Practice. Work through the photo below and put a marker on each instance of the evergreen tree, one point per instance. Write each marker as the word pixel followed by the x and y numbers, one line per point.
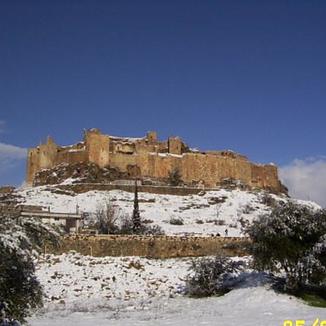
pixel 20 239
pixel 135 214
pixel 291 239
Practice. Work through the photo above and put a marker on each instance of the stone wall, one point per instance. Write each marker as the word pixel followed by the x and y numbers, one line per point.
pixel 151 246
pixel 266 176
pixel 14 209
pixel 149 158
pixel 49 155
pixel 161 190
pixel 71 156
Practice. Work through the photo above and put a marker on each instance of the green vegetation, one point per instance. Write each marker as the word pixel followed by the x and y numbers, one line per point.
pixel 313 300
pixel 20 241
pixel 213 276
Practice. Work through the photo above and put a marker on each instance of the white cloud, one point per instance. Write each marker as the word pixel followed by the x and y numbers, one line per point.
pixel 306 179
pixel 9 155
pixel 12 152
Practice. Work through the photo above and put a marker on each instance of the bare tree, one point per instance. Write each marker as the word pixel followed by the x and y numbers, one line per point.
pixel 106 219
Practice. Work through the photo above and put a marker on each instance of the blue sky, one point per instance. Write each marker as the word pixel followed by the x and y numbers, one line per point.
pixel 243 75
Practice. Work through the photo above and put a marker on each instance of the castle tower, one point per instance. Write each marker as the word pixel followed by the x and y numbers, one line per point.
pixel 175 145
pixel 97 147
pixel 151 136
pixel 41 157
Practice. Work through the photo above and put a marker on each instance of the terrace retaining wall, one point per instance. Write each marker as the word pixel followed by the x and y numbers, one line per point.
pixel 150 246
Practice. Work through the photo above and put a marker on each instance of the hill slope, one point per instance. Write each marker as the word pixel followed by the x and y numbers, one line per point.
pixel 204 214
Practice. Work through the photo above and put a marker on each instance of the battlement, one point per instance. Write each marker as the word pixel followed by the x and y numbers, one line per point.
pixel 147 157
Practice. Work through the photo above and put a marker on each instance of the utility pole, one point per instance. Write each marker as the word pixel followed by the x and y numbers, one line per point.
pixel 135 214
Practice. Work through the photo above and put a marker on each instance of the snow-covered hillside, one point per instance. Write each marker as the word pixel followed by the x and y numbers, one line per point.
pixel 209 213
pixel 85 290
pixel 72 281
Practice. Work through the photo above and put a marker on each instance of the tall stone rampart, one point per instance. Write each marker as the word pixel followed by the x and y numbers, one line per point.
pixel 148 157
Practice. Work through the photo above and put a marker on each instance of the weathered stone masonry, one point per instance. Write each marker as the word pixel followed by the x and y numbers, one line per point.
pixel 148 157
pixel 150 246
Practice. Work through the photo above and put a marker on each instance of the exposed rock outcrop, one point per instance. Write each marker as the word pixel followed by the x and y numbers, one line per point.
pixel 81 172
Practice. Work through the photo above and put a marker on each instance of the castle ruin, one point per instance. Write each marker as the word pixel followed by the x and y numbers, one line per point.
pixel 149 158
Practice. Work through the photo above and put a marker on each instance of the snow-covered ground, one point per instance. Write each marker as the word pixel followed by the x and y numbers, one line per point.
pixel 136 291
pixel 72 280
pixel 210 213
pixel 82 290
pixel 246 307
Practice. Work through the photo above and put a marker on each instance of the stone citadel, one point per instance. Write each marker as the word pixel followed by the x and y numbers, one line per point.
pixel 147 158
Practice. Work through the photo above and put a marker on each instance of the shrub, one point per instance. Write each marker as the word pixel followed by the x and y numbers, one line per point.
pixel 147 221
pixel 152 230
pixel 213 276
pixel 110 221
pixel 20 239
pixel 247 209
pixel 176 221
pixel 268 200
pixel 39 233
pixel 243 222
pixel 291 239
pixel 106 219
pixel 175 178
pixel 18 284
pixel 127 227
